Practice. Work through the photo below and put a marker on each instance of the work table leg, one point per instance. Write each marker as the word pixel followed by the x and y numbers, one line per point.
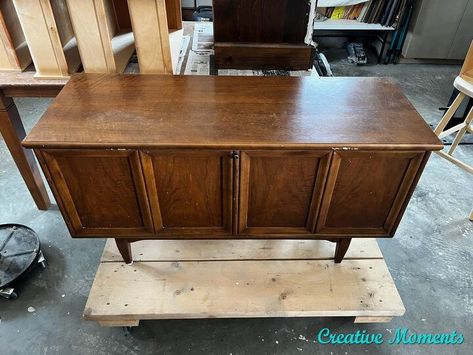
pixel 13 133
pixel 341 249
pixel 124 247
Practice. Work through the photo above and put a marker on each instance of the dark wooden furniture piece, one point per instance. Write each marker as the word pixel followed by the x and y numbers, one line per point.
pixel 261 34
pixel 133 157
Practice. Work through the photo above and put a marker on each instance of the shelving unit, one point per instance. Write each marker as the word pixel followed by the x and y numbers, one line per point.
pixel 157 27
pixel 353 28
pixel 14 53
pixel 349 25
pixel 50 37
pixel 104 35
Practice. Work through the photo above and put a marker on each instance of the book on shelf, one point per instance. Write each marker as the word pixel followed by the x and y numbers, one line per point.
pixel 384 12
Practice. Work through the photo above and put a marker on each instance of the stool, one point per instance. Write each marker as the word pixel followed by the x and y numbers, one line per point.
pixel 464 84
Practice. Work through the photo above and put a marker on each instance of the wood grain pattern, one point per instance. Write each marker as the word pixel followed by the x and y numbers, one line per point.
pixel 174 14
pixel 365 191
pixel 280 191
pixel 261 34
pixel 100 192
pixel 233 113
pixel 262 56
pixel 190 191
pixel 270 21
pixel 258 288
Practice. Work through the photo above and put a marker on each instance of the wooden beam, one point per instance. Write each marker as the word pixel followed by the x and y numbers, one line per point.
pixel 104 46
pixel 150 27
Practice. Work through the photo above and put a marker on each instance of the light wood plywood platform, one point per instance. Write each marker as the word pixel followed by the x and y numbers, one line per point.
pixel 242 278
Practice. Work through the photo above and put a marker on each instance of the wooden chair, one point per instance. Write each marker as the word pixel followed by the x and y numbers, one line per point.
pixel 463 83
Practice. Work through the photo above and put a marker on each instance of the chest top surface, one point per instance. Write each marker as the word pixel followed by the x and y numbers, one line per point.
pixel 131 111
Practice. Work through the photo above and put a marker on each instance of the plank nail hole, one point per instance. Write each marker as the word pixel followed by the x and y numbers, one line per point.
pixel 380 300
pixel 108 303
pixel 126 304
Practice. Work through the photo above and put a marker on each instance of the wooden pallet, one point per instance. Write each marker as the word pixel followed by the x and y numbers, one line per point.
pixel 178 279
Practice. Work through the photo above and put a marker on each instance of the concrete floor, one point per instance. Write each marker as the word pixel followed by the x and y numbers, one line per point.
pixel 430 259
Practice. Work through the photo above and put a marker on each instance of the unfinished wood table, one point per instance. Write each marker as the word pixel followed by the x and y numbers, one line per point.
pixel 136 157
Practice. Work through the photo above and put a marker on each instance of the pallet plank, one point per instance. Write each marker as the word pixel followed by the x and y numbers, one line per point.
pixel 261 288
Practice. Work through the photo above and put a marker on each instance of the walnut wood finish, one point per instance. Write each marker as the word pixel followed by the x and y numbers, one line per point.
pixel 365 190
pixel 190 191
pixel 261 34
pixel 101 192
pixel 280 191
pixel 265 21
pixel 150 111
pixel 164 157
pixel 261 56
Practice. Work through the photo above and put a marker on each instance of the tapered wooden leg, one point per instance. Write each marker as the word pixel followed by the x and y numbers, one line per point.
pixel 461 132
pixel 341 249
pixel 13 133
pixel 124 247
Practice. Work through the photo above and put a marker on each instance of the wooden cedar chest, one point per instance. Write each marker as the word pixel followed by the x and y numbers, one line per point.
pixel 180 157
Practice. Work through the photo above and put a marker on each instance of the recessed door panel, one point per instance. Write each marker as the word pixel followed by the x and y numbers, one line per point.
pixel 280 191
pixel 101 192
pixel 365 192
pixel 190 191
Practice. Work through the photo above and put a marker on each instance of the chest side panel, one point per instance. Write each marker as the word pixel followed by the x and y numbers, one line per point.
pixel 365 192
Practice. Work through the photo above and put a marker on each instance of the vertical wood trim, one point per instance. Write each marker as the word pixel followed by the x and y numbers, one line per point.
pixel 57 196
pixel 174 14
pixel 150 182
pixel 329 188
pixel 244 191
pixel 318 190
pixel 62 190
pixel 105 35
pixel 236 194
pixel 227 191
pixel 8 52
pixel 140 187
